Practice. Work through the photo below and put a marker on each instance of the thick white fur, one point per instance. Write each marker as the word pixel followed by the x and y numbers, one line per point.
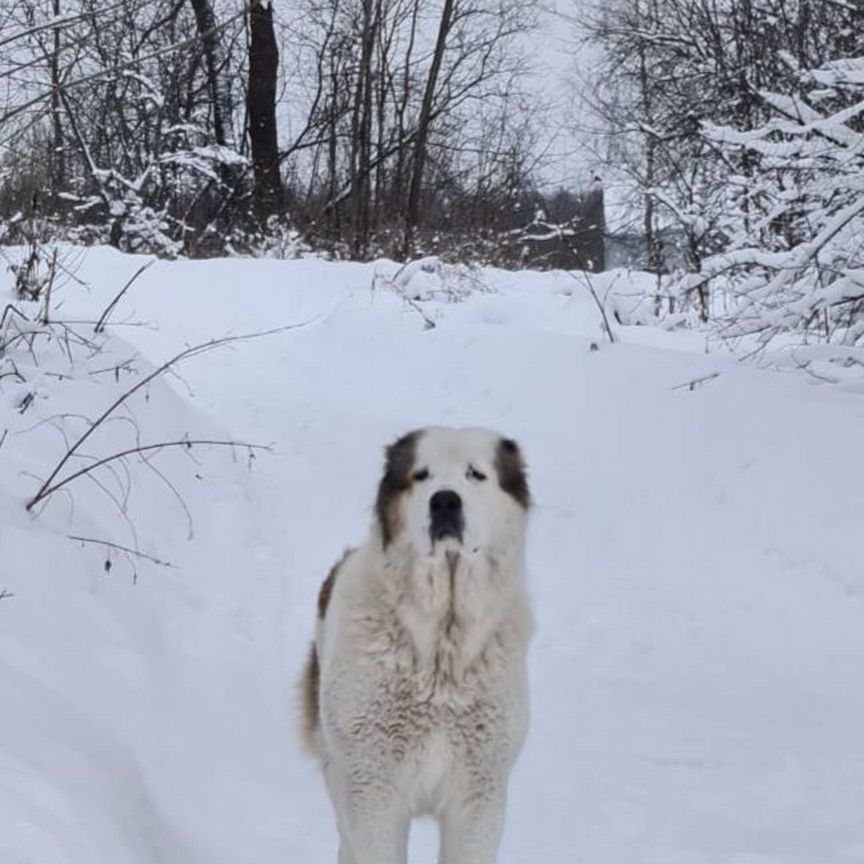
pixel 422 654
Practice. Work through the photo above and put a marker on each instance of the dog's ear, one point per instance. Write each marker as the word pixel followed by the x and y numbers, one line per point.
pixel 511 471
pixel 398 465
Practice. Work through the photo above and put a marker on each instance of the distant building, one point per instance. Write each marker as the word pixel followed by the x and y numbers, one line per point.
pixel 568 232
pixel 628 249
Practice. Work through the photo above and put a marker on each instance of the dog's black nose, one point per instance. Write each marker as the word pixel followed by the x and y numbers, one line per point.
pixel 445 501
pixel 445 508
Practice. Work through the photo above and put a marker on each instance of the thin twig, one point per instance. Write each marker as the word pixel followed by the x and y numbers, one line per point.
pixel 112 71
pixel 12 310
pixel 52 275
pixel 190 530
pixel 117 368
pixel 54 23
pixel 428 323
pixel 177 358
pixel 5 595
pixel 607 327
pixel 121 548
pixel 122 509
pixel 100 324
pixel 45 491
pixel 13 372
pixel 695 382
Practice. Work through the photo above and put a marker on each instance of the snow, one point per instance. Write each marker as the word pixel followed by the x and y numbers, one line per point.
pixel 806 183
pixel 694 555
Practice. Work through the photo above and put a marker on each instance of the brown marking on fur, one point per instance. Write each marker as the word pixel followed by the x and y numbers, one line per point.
pixel 309 690
pixel 452 559
pixel 399 464
pixel 511 471
pixel 326 591
pixel 328 583
pixel 311 671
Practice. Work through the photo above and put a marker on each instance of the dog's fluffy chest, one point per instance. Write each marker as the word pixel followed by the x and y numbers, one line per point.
pixel 448 683
pixel 424 673
pixel 450 607
pixel 433 726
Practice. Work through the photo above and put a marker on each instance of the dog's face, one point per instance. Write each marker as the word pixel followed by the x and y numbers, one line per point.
pixel 452 489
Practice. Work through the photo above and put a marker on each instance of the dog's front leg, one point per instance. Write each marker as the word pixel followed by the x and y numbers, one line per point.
pixel 376 837
pixel 373 822
pixel 471 832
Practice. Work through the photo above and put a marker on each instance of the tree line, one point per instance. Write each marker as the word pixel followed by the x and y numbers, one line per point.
pixel 738 126
pixel 371 127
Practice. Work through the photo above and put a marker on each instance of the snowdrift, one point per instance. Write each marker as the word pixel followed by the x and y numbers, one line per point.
pixel 694 556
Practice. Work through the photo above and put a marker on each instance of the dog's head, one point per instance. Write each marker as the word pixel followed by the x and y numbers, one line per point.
pixel 459 489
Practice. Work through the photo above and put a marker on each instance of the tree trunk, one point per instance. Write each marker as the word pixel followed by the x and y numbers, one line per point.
pixel 58 157
pixel 267 194
pixel 361 129
pixel 652 243
pixel 220 90
pixel 412 211
pixel 399 171
pixel 332 154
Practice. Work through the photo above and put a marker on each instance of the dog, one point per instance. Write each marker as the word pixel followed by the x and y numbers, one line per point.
pixel 415 689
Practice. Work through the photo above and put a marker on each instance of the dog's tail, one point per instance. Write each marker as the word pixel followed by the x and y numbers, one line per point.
pixel 309 701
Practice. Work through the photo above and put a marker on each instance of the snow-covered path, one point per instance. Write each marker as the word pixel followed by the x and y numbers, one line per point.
pixel 695 566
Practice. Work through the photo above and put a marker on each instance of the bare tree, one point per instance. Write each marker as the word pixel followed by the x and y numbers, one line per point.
pixel 217 81
pixel 361 127
pixel 406 115
pixel 113 106
pixel 412 209
pixel 261 109
pixel 666 67
pixel 394 95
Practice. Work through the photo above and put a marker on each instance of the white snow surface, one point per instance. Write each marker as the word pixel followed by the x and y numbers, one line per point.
pixel 695 566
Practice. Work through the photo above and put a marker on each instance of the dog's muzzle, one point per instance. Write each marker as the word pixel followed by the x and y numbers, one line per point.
pixel 447 519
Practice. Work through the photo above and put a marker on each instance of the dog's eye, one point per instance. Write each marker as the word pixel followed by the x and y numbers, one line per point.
pixel 421 475
pixel 474 474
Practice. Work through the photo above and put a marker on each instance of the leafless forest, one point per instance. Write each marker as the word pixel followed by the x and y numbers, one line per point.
pixel 194 127
pixel 726 135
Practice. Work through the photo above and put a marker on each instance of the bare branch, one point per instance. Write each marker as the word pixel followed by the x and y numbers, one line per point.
pixel 100 324
pixel 120 548
pixel 111 72
pixel 46 488
pixel 696 382
pixel 45 491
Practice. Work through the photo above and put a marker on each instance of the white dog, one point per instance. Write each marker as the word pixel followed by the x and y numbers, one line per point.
pixel 415 690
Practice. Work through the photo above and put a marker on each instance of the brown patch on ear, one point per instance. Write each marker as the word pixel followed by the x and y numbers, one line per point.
pixel 309 693
pixel 398 466
pixel 511 471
